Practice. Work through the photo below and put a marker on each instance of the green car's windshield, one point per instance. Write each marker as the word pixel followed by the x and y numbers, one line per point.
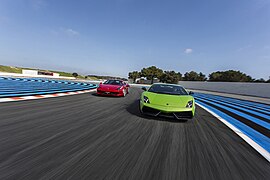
pixel 168 89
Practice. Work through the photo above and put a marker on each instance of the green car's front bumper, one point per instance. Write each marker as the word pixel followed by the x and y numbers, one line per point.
pixel 168 111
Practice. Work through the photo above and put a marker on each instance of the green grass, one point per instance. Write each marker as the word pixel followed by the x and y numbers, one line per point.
pixel 93 78
pixel 10 69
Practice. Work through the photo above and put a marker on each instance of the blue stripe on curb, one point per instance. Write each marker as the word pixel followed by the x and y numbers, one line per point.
pixel 255 120
pixel 254 112
pixel 259 138
pixel 41 93
pixel 240 108
pixel 248 103
pixel 12 87
pixel 259 109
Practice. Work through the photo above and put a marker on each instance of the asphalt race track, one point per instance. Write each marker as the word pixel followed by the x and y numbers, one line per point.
pixel 90 137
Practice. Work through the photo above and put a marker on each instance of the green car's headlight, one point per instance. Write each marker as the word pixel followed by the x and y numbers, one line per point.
pixel 146 99
pixel 189 104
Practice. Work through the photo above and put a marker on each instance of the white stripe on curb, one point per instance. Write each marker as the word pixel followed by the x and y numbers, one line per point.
pixel 23 98
pixel 252 143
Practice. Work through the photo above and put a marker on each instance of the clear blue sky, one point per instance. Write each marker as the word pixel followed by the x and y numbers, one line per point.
pixel 114 37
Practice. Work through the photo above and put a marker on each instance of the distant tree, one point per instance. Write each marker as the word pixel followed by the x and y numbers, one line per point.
pixel 134 75
pixel 268 81
pixel 215 76
pixel 202 77
pixel 85 77
pixel 75 74
pixel 230 76
pixel 261 80
pixel 151 73
pixel 171 77
pixel 194 76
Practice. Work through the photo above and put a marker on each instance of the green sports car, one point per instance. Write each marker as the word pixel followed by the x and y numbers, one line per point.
pixel 169 100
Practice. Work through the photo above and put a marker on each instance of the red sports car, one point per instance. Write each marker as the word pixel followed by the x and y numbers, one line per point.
pixel 113 88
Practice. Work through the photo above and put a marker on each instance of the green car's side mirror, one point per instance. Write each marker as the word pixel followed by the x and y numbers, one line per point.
pixel 144 88
pixel 191 93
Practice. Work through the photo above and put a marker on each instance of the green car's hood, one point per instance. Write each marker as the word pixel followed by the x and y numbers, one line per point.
pixel 167 99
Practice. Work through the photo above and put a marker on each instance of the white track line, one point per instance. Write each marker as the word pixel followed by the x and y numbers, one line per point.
pixel 23 98
pixel 252 143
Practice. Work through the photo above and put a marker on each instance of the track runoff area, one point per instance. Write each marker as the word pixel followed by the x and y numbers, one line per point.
pixel 99 137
